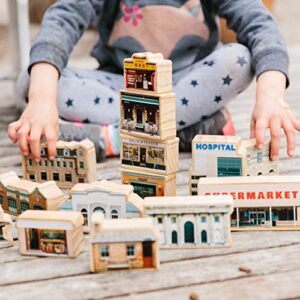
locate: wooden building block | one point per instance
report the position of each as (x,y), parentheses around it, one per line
(123,244)
(148,72)
(191,221)
(148,116)
(150,156)
(75,163)
(112,199)
(6,239)
(50,233)
(146,184)
(260,202)
(18,195)
(228,156)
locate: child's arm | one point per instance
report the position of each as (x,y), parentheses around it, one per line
(256,28)
(40,118)
(271,111)
(62,26)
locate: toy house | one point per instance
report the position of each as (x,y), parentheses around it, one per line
(148,72)
(150,156)
(18,195)
(264,202)
(146,185)
(6,239)
(148,116)
(112,199)
(191,221)
(123,244)
(75,163)
(219,156)
(49,233)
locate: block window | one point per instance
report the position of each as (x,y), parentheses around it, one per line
(68,177)
(37,207)
(173,220)
(32,177)
(104,251)
(71,164)
(24,206)
(43,175)
(130,250)
(30,162)
(12,205)
(46,163)
(64,164)
(203,219)
(217,219)
(159,220)
(81,165)
(55,176)
(259,157)
(52,163)
(80,153)
(58,163)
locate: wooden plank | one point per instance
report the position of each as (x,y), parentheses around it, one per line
(190,272)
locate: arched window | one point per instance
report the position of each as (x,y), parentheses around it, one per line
(174,237)
(114,214)
(204,236)
(99,209)
(85,216)
(189,232)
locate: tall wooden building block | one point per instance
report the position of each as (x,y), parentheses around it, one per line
(260,202)
(6,239)
(147,184)
(191,221)
(75,163)
(18,195)
(148,116)
(148,72)
(150,156)
(228,156)
(123,244)
(50,233)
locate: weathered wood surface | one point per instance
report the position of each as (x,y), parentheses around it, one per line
(273,257)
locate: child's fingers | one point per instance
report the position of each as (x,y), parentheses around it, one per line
(51,136)
(290,136)
(23,134)
(275,129)
(260,130)
(35,139)
(12,130)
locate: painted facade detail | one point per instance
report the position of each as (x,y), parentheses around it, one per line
(18,195)
(49,233)
(6,239)
(221,156)
(123,244)
(75,163)
(113,200)
(191,221)
(265,202)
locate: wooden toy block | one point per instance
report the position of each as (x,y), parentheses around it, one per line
(148,72)
(260,202)
(50,233)
(18,195)
(123,244)
(191,221)
(219,156)
(6,239)
(148,116)
(146,184)
(75,163)
(112,199)
(150,156)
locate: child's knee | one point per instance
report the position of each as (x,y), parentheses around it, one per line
(23,84)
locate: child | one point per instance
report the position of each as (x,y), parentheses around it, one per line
(206,75)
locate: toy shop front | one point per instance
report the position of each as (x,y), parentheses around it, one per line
(258,205)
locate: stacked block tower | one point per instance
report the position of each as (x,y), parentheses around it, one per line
(149,147)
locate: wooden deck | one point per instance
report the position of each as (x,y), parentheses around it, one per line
(273,257)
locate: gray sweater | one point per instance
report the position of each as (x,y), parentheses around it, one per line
(185,31)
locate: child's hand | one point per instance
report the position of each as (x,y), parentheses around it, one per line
(40,118)
(271,111)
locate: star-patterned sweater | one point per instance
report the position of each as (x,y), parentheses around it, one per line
(185,31)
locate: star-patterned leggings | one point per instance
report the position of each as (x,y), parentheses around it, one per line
(92,96)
